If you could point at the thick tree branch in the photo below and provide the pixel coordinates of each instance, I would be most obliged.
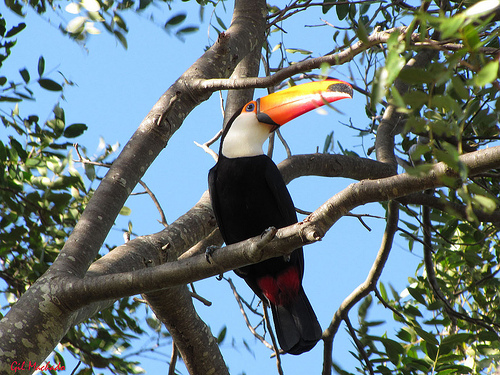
(339, 58)
(83, 245)
(174, 306)
(332, 165)
(312, 229)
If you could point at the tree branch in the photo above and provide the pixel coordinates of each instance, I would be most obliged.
(365, 288)
(339, 58)
(254, 250)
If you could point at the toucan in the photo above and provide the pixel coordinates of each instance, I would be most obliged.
(248, 196)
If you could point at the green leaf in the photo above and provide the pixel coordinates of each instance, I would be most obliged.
(450, 26)
(481, 8)
(76, 25)
(445, 103)
(428, 337)
(449, 156)
(471, 37)
(89, 171)
(460, 88)
(406, 334)
(412, 311)
(487, 75)
(121, 38)
(25, 74)
(119, 21)
(415, 75)
(16, 7)
(220, 22)
(74, 130)
(222, 335)
(342, 10)
(187, 30)
(49, 84)
(430, 350)
(328, 143)
(393, 349)
(41, 66)
(298, 50)
(57, 125)
(16, 29)
(9, 99)
(125, 211)
(488, 204)
(19, 149)
(175, 20)
(417, 294)
(361, 32)
(153, 323)
(3, 153)
(143, 4)
(457, 339)
(327, 5)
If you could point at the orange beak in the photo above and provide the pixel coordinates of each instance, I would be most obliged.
(280, 107)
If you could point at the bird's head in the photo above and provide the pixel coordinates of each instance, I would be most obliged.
(249, 128)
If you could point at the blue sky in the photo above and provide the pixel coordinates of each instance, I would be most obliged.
(115, 89)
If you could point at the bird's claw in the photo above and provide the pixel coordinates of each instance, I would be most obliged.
(209, 251)
(208, 256)
(267, 231)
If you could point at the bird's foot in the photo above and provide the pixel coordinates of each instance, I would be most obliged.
(268, 232)
(208, 253)
(208, 256)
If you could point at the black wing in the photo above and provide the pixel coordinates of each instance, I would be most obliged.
(214, 197)
(287, 208)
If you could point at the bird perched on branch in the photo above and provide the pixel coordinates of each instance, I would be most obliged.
(249, 195)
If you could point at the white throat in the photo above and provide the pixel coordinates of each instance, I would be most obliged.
(245, 137)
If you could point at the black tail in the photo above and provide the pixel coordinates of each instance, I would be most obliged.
(297, 327)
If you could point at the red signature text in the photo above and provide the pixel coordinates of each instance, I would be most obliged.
(32, 366)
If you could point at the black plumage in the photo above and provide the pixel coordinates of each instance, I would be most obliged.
(248, 196)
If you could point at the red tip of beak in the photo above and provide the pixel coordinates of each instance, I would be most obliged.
(280, 107)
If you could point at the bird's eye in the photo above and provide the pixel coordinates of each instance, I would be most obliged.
(250, 107)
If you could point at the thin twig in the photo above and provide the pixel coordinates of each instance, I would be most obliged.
(242, 310)
(387, 306)
(156, 202)
(273, 339)
(270, 146)
(173, 360)
(363, 289)
(195, 295)
(359, 345)
(206, 146)
(88, 161)
(107, 165)
(285, 145)
(358, 216)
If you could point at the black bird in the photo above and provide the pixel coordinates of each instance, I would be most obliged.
(249, 195)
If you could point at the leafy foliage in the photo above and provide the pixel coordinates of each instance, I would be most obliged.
(447, 319)
(451, 108)
(42, 195)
